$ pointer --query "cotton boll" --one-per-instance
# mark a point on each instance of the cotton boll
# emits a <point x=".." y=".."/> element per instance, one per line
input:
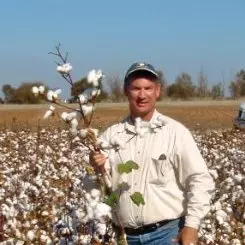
<point x="74" y="123"/>
<point x="88" y="197"/>
<point x="41" y="89"/>
<point x="64" y="116"/>
<point x="31" y="235"/>
<point x="87" y="109"/>
<point x="116" y="141"/>
<point x="95" y="193"/>
<point x="102" y="210"/>
<point x="83" y="133"/>
<point x="64" y="69"/>
<point x="56" y="93"/>
<point x="45" y="213"/>
<point x="94" y="77"/>
<point x="50" y="94"/>
<point x="43" y="238"/>
<point x="67" y="67"/>
<point x="35" y="90"/>
<point x="137" y="122"/>
<point x="101" y="228"/>
<point x="82" y="99"/>
<point x="85" y="239"/>
<point x="72" y="115"/>
<point x="161" y="119"/>
<point x="95" y="92"/>
<point x="48" y="114"/>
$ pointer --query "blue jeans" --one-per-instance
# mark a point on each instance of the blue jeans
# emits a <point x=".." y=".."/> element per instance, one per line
<point x="161" y="236"/>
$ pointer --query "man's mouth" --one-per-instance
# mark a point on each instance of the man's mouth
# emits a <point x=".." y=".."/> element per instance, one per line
<point x="141" y="104"/>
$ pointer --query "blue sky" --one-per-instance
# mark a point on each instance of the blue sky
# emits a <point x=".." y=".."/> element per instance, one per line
<point x="174" y="36"/>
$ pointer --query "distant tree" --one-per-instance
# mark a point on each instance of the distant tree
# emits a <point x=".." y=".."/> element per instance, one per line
<point x="202" y="87"/>
<point x="22" y="94"/>
<point x="217" y="91"/>
<point x="8" y="92"/>
<point x="237" y="86"/>
<point x="163" y="83"/>
<point x="1" y="101"/>
<point x="116" y="89"/>
<point x="183" y="87"/>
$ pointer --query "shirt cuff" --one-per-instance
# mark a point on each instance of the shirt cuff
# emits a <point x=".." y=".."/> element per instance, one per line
<point x="192" y="221"/>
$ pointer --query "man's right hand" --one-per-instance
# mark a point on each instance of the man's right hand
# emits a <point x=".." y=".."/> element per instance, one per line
<point x="97" y="160"/>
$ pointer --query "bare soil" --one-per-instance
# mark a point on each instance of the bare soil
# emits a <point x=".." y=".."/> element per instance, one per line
<point x="194" y="114"/>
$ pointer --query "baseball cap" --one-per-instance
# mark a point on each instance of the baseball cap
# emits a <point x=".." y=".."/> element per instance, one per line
<point x="140" y="66"/>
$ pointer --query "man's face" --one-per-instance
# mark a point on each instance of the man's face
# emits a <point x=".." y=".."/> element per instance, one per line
<point x="142" y="94"/>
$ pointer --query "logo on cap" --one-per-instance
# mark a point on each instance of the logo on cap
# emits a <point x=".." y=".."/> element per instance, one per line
<point x="140" y="64"/>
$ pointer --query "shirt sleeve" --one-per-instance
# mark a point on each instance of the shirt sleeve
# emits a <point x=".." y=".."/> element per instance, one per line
<point x="195" y="177"/>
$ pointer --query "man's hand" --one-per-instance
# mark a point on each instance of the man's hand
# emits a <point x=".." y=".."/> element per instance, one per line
<point x="187" y="236"/>
<point x="97" y="160"/>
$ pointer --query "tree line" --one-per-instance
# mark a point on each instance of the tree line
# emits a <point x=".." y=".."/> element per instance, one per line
<point x="182" y="88"/>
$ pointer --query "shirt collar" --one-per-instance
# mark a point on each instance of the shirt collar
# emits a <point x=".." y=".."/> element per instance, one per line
<point x="129" y="124"/>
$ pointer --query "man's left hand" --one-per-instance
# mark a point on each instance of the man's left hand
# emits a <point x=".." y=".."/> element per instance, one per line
<point x="187" y="236"/>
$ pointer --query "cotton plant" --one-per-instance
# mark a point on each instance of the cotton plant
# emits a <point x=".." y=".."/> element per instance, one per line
<point x="35" y="198"/>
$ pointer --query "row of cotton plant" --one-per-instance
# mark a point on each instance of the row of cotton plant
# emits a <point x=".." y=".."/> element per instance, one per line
<point x="50" y="195"/>
<point x="224" y="152"/>
<point x="47" y="195"/>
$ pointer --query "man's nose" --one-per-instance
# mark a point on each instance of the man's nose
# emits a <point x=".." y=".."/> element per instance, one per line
<point x="142" y="93"/>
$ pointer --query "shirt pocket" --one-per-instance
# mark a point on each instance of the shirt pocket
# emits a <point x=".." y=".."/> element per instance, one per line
<point x="159" y="170"/>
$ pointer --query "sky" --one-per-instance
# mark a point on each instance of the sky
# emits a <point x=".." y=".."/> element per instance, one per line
<point x="173" y="35"/>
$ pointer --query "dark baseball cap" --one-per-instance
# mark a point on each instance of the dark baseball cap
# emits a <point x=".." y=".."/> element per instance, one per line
<point x="140" y="66"/>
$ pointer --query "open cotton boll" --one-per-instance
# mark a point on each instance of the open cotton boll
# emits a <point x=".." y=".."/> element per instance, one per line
<point x="50" y="94"/>
<point x="47" y="114"/>
<point x="64" y="69"/>
<point x="56" y="93"/>
<point x="35" y="90"/>
<point x="31" y="235"/>
<point x="102" y="210"/>
<point x="101" y="228"/>
<point x="74" y="123"/>
<point x="83" y="133"/>
<point x="115" y="141"/>
<point x="72" y="115"/>
<point x="41" y="89"/>
<point x="64" y="116"/>
<point x="161" y="119"/>
<point x="87" y="109"/>
<point x="95" y="92"/>
<point x="83" y="99"/>
<point x="137" y="121"/>
<point x="95" y="193"/>
<point x="104" y="145"/>
<point x="94" y="77"/>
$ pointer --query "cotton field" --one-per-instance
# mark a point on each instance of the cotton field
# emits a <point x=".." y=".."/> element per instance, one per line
<point x="50" y="195"/>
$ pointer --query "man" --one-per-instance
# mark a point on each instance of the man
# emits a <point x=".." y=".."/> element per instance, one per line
<point x="172" y="175"/>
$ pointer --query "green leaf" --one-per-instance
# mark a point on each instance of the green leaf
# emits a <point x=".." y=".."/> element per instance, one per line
<point x="133" y="164"/>
<point x="137" y="198"/>
<point x="127" y="167"/>
<point x="112" y="199"/>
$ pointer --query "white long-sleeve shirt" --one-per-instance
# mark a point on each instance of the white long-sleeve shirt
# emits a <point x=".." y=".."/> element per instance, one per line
<point x="172" y="175"/>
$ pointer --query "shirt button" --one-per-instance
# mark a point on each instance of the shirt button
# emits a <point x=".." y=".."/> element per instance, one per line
<point x="138" y="152"/>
